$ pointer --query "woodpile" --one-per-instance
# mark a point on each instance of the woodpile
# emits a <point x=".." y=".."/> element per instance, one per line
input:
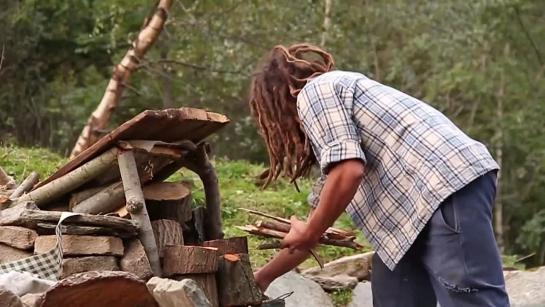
<point x="130" y="219"/>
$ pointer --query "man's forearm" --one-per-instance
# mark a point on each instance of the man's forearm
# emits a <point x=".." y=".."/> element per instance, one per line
<point x="282" y="263"/>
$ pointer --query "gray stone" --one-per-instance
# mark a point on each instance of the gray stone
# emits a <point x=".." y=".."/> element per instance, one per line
<point x="8" y="299"/>
<point x="358" y="266"/>
<point x="305" y="291"/>
<point x="19" y="237"/>
<point x="174" y="293"/>
<point x="334" y="283"/>
<point x="135" y="260"/>
<point x="81" y="245"/>
<point x="526" y="288"/>
<point x="8" y="253"/>
<point x="91" y="263"/>
<point x="32" y="299"/>
<point x="362" y="295"/>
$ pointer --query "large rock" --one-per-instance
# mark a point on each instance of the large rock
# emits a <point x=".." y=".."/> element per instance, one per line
<point x="305" y="291"/>
<point x="358" y="266"/>
<point x="81" y="245"/>
<point x="526" y="288"/>
<point x="174" y="293"/>
<point x="91" y="263"/>
<point x="8" y="299"/>
<point x="8" y="253"/>
<point x="135" y="260"/>
<point x="362" y="295"/>
<point x="18" y="237"/>
<point x="334" y="283"/>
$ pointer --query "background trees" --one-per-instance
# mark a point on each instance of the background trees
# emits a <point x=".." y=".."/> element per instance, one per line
<point x="480" y="62"/>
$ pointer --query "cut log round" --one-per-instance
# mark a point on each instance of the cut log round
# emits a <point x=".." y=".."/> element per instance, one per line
<point x="236" y="284"/>
<point x="167" y="233"/>
<point x="207" y="282"/>
<point x="235" y="245"/>
<point x="106" y="288"/>
<point x="168" y="200"/>
<point x="189" y="260"/>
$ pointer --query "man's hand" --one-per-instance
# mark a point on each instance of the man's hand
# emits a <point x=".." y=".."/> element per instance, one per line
<point x="300" y="237"/>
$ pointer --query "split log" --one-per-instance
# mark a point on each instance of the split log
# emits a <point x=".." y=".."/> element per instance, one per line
<point x="207" y="282"/>
<point x="167" y="233"/>
<point x="137" y="208"/>
<point x="25" y="186"/>
<point x="69" y="182"/>
<point x="236" y="283"/>
<point x="121" y="75"/>
<point x="236" y="245"/>
<point x="28" y="215"/>
<point x="49" y="229"/>
<point x="168" y="200"/>
<point x="182" y="259"/>
<point x="99" y="288"/>
<point x="198" y="162"/>
<point x="106" y="200"/>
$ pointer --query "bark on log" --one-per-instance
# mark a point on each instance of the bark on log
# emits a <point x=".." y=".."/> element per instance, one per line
<point x="95" y="288"/>
<point x="121" y="76"/>
<point x="69" y="182"/>
<point x="105" y="201"/>
<point x="25" y="186"/>
<point x="28" y="215"/>
<point x="236" y="283"/>
<point x="194" y="232"/>
<point x="181" y="259"/>
<point x="198" y="162"/>
<point x="168" y="200"/>
<point x="49" y="229"/>
<point x="167" y="233"/>
<point x="236" y="245"/>
<point x="207" y="282"/>
<point x="137" y="208"/>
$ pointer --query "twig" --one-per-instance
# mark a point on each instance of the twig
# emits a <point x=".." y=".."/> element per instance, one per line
<point x="2" y="56"/>
<point x="277" y="244"/>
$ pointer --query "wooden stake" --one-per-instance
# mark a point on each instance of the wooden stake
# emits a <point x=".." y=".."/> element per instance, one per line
<point x="69" y="182"/>
<point x="137" y="207"/>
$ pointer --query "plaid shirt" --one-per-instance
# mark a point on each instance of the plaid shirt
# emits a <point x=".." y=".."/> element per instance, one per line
<point x="414" y="156"/>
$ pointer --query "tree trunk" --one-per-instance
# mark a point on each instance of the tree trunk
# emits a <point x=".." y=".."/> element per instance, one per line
<point x="121" y="75"/>
<point x="327" y="22"/>
<point x="137" y="208"/>
<point x="168" y="200"/>
<point x="236" y="283"/>
<point x="167" y="233"/>
<point x="498" y="208"/>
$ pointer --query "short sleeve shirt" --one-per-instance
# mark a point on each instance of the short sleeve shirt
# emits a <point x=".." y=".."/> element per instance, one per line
<point x="414" y="156"/>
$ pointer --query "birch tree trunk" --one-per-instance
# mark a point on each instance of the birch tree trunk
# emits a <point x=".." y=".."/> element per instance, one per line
<point x="327" y="22"/>
<point x="498" y="209"/>
<point x="121" y="75"/>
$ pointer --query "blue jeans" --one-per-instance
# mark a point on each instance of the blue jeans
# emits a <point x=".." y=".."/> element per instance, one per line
<point x="454" y="260"/>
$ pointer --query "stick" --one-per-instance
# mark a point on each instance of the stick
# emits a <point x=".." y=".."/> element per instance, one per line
<point x="72" y="180"/>
<point x="277" y="245"/>
<point x="25" y="186"/>
<point x="137" y="208"/>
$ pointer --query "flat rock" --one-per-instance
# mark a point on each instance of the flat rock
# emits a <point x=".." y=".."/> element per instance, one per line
<point x="135" y="260"/>
<point x="334" y="283"/>
<point x="362" y="295"/>
<point x="526" y="288"/>
<point x="8" y="253"/>
<point x="8" y="299"/>
<point x="32" y="299"/>
<point x="305" y="291"/>
<point x="358" y="266"/>
<point x="19" y="237"/>
<point x="81" y="245"/>
<point x="174" y="293"/>
<point x="91" y="263"/>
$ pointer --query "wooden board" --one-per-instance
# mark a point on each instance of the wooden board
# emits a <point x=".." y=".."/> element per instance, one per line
<point x="168" y="125"/>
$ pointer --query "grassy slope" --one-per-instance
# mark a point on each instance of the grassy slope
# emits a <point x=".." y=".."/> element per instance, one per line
<point x="238" y="190"/>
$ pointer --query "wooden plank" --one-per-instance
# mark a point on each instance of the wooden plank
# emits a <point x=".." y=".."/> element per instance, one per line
<point x="235" y="245"/>
<point x="168" y="125"/>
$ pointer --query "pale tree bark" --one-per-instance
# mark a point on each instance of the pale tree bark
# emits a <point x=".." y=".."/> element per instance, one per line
<point x="121" y="76"/>
<point x="498" y="209"/>
<point x="327" y="22"/>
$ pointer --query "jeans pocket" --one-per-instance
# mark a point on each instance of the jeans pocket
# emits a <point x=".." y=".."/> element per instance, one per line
<point x="447" y="215"/>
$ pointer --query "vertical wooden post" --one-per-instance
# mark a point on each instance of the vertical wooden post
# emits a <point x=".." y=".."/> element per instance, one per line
<point x="137" y="207"/>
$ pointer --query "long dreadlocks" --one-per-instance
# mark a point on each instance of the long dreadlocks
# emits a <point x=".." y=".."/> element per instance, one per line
<point x="273" y="102"/>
